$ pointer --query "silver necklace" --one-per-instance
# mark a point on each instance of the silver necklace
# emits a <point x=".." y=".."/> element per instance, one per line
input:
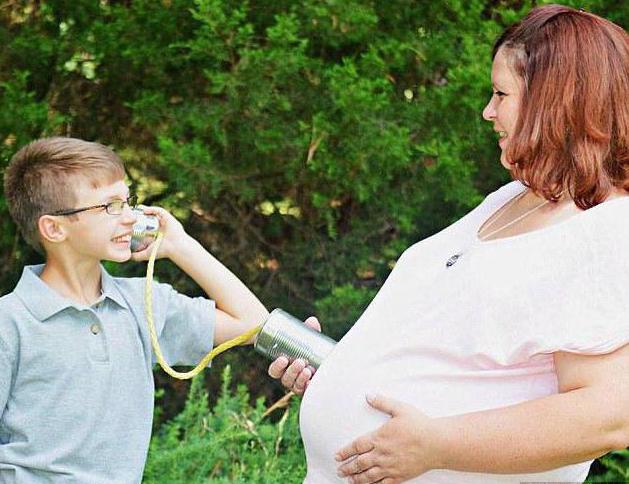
<point x="481" y="238"/>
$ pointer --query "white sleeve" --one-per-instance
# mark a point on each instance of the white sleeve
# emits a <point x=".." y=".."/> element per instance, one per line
<point x="592" y="316"/>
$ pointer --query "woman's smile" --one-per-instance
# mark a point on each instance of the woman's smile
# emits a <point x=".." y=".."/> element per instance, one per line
<point x="502" y="139"/>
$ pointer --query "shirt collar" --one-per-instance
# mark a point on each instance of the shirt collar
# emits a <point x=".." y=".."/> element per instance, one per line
<point x="111" y="290"/>
<point x="44" y="302"/>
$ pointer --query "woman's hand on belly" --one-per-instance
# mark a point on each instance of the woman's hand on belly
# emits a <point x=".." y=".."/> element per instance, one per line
<point x="397" y="451"/>
<point x="297" y="375"/>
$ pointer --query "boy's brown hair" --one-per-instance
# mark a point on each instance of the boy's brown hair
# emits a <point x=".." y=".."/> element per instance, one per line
<point x="39" y="179"/>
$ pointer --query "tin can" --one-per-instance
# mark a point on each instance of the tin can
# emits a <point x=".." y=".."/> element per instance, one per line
<point x="285" y="335"/>
<point x="145" y="230"/>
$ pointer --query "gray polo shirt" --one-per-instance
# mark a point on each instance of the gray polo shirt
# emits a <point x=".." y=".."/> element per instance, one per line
<point x="76" y="382"/>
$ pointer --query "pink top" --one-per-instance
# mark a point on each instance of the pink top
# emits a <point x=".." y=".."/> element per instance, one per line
<point x="477" y="335"/>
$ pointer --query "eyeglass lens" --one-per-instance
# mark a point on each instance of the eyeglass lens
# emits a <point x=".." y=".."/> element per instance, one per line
<point x="117" y="206"/>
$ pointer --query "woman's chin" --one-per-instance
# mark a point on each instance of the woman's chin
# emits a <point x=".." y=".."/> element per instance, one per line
<point x="503" y="160"/>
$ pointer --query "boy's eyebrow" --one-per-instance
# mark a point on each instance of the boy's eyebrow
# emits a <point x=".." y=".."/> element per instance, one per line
<point x="116" y="197"/>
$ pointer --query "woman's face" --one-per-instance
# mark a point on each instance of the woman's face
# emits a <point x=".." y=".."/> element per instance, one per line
<point x="504" y="106"/>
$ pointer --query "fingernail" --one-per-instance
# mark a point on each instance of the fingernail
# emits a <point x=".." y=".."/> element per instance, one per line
<point x="370" y="397"/>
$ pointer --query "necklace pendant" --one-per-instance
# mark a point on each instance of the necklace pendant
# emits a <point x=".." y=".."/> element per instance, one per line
<point x="452" y="260"/>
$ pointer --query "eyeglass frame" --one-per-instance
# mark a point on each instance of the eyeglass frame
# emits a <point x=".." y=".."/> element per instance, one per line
<point x="131" y="201"/>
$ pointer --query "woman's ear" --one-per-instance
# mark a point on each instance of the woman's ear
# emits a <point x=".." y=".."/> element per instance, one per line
<point x="51" y="229"/>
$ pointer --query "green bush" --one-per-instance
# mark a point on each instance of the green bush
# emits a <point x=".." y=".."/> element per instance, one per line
<point x="305" y="143"/>
<point x="614" y="468"/>
<point x="233" y="442"/>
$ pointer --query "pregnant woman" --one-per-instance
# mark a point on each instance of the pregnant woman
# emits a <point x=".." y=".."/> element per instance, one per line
<point x="497" y="350"/>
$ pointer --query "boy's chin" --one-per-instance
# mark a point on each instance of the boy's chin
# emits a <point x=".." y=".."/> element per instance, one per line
<point x="119" y="257"/>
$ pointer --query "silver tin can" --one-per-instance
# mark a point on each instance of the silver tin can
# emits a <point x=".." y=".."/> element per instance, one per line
<point x="145" y="230"/>
<point x="285" y="335"/>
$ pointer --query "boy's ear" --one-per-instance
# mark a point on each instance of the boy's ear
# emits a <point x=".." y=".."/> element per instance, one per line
<point x="51" y="229"/>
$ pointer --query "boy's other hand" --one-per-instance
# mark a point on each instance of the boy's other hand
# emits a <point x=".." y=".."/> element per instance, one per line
<point x="171" y="228"/>
<point x="296" y="376"/>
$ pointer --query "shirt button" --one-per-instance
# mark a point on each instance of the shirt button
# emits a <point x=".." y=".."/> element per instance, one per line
<point x="95" y="328"/>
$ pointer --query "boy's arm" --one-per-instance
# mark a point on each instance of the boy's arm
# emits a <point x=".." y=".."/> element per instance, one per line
<point x="238" y="309"/>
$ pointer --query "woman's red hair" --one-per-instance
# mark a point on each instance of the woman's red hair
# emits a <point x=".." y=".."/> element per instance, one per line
<point x="573" y="129"/>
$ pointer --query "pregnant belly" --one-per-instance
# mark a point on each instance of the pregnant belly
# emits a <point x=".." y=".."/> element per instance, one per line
<point x="334" y="411"/>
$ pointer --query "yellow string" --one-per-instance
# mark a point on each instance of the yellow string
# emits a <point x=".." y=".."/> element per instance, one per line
<point x="148" y="304"/>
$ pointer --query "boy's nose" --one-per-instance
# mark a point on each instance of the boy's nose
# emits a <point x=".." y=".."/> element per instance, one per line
<point x="129" y="215"/>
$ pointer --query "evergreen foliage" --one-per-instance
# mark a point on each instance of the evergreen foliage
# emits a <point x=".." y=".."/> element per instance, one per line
<point x="305" y="143"/>
<point x="233" y="443"/>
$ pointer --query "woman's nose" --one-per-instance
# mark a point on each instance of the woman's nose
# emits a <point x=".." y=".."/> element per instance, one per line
<point x="489" y="113"/>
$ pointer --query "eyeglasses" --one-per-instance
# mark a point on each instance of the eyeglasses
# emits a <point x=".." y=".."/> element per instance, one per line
<point x="115" y="207"/>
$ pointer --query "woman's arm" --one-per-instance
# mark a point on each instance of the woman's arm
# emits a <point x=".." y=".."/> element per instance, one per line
<point x="588" y="418"/>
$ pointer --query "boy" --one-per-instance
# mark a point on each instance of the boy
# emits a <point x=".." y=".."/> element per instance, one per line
<point x="76" y="382"/>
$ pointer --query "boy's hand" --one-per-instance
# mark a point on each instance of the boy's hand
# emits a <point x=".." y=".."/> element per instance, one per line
<point x="171" y="228"/>
<point x="295" y="377"/>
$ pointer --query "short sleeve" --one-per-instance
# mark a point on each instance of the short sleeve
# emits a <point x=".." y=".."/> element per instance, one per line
<point x="592" y="314"/>
<point x="9" y="348"/>
<point x="7" y="374"/>
<point x="6" y="377"/>
<point x="186" y="332"/>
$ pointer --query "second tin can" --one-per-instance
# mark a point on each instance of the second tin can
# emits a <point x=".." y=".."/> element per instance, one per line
<point x="285" y="335"/>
